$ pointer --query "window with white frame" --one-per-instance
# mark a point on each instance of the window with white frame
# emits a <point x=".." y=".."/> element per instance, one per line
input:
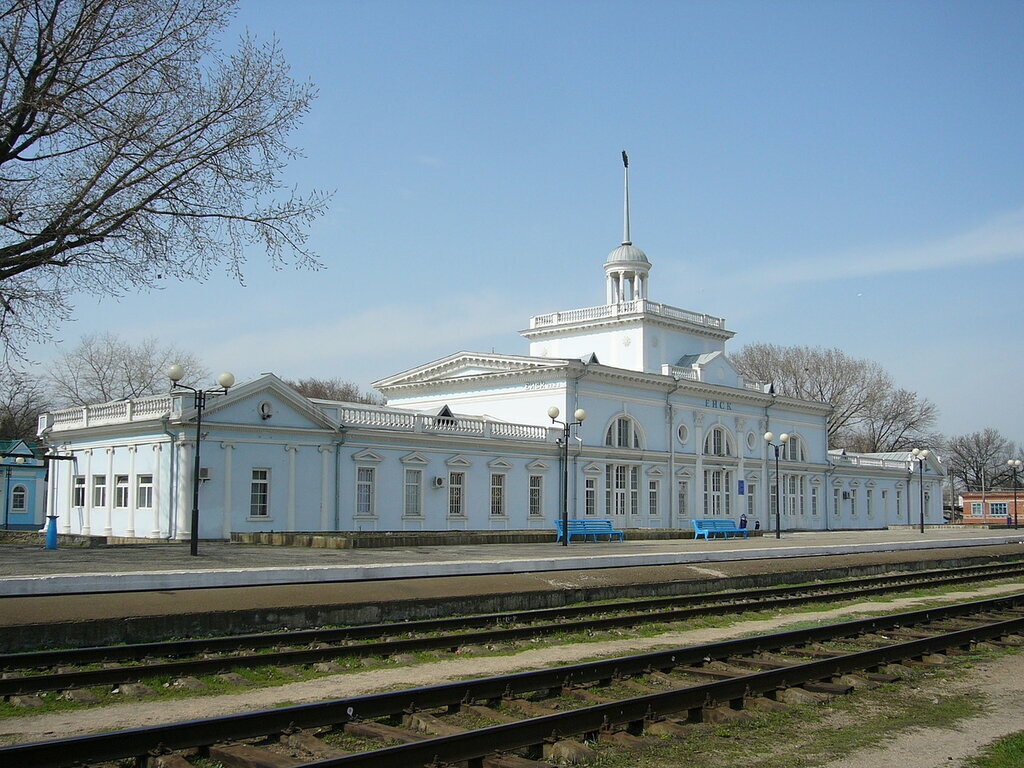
<point x="836" y="498"/>
<point x="19" y="498"/>
<point x="718" y="442"/>
<point x="773" y="499"/>
<point x="99" y="490"/>
<point x="622" y="433"/>
<point x="751" y="490"/>
<point x="366" y="486"/>
<point x="976" y="508"/>
<point x="885" y="504"/>
<point x="899" y="502"/>
<point x="1000" y="508"/>
<point x="652" y="497"/>
<point x="535" y="503"/>
<point x="794" y="449"/>
<point x="682" y="492"/>
<point x="590" y="496"/>
<point x="717" y="496"/>
<point x="412" y="504"/>
<point x="259" y="492"/>
<point x="634" y="490"/>
<point x="791" y="502"/>
<point x="144" y="491"/>
<point x="456" y="494"/>
<point x="869" y="500"/>
<point x="121" y="491"/>
<point x="814" y="501"/>
<point x="78" y="491"/>
<point x="853" y="502"/>
<point x="497" y="494"/>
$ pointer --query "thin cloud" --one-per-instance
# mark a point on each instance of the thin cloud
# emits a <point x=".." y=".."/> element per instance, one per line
<point x="999" y="239"/>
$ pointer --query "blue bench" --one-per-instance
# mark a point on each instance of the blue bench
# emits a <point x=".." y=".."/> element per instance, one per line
<point x="586" y="528"/>
<point x="725" y="527"/>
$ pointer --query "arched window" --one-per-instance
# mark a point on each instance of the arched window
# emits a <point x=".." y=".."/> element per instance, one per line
<point x="718" y="442"/>
<point x="19" y="498"/>
<point x="623" y="433"/>
<point x="794" y="450"/>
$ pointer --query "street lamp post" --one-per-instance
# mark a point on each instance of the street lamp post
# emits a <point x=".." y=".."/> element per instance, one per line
<point x="920" y="454"/>
<point x="783" y="439"/>
<point x="1014" y="465"/>
<point x="226" y="380"/>
<point x="579" y="416"/>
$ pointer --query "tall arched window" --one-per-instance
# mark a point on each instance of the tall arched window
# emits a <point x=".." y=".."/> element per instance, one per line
<point x="794" y="450"/>
<point x="19" y="498"/>
<point x="623" y="433"/>
<point x="718" y="442"/>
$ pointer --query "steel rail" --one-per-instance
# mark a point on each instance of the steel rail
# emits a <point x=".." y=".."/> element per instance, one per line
<point x="120" y="744"/>
<point x="84" y="678"/>
<point x="173" y="648"/>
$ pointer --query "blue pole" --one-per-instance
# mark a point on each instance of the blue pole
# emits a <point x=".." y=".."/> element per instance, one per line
<point x="51" y="532"/>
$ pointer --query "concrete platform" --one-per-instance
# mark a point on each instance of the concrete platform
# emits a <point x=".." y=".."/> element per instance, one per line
<point x="32" y="571"/>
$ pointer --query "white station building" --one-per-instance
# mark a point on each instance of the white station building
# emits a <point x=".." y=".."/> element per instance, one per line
<point x="671" y="433"/>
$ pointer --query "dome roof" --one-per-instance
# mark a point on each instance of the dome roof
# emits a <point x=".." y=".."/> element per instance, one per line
<point x="629" y="253"/>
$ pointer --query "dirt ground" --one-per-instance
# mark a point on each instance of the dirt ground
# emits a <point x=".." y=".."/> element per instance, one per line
<point x="1000" y="681"/>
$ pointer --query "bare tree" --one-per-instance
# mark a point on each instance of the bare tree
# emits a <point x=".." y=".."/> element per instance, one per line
<point x="334" y="389"/>
<point x="868" y="413"/>
<point x="22" y="400"/>
<point x="132" y="149"/>
<point x="106" y="367"/>
<point x="978" y="461"/>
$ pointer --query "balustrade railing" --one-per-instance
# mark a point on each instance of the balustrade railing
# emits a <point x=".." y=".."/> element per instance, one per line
<point x="626" y="308"/>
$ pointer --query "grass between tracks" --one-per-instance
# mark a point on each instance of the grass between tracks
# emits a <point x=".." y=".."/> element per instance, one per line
<point x="1008" y="752"/>
<point x="160" y="688"/>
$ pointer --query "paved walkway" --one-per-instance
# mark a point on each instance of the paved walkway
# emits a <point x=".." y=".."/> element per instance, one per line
<point x="32" y="570"/>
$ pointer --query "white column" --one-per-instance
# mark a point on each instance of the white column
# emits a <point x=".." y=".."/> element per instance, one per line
<point x="157" y="498"/>
<point x="87" y="518"/>
<point x="132" y="483"/>
<point x="325" y="486"/>
<point x="108" y="528"/>
<point x="292" y="449"/>
<point x="183" y="509"/>
<point x="229" y="450"/>
<point x="698" y="475"/>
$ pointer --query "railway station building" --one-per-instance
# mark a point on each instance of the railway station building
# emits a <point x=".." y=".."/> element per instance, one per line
<point x="672" y="432"/>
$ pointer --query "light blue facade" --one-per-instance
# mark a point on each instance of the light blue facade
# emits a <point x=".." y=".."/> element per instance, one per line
<point x="23" y="489"/>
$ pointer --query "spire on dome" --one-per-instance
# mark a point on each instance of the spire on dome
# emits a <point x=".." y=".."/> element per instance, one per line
<point x="625" y="204"/>
<point x="627" y="266"/>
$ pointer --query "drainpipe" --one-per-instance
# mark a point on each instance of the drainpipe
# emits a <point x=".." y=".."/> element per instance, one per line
<point x="673" y="500"/>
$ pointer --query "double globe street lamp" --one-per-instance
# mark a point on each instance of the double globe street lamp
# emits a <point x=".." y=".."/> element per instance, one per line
<point x="226" y="380"/>
<point x="579" y="416"/>
<point x="920" y="455"/>
<point x="783" y="439"/>
<point x="1014" y="465"/>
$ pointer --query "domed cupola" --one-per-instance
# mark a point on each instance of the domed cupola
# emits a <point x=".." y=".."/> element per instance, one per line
<point x="627" y="266"/>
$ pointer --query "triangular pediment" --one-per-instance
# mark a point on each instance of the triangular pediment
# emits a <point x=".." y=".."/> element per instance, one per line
<point x="538" y="466"/>
<point x="414" y="458"/>
<point x="266" y="401"/>
<point x="463" y="365"/>
<point x="458" y="461"/>
<point x="367" y="455"/>
<point x="498" y="463"/>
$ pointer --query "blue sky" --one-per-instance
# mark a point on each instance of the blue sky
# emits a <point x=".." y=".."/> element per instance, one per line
<point x="838" y="174"/>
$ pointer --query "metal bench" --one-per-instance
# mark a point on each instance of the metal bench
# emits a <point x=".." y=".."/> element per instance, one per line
<point x="587" y="528"/>
<point x="725" y="527"/>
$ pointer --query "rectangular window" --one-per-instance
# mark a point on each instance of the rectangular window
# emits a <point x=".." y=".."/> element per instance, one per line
<point x="259" y="493"/>
<point x="456" y="494"/>
<point x="836" y="496"/>
<point x="682" y="491"/>
<point x="899" y="503"/>
<point x="590" y="496"/>
<point x="144" y="492"/>
<point x="78" y="491"/>
<point x="853" y="502"/>
<point x="365" y="482"/>
<point x="620" y="490"/>
<point x="99" y="490"/>
<point x="976" y="508"/>
<point x="608" y="485"/>
<point x="814" y="501"/>
<point x="652" y="497"/>
<point x="497" y="494"/>
<point x="869" y="501"/>
<point x="773" y="499"/>
<point x="536" y="500"/>
<point x="121" y="491"/>
<point x="634" y="490"/>
<point x="751" y="500"/>
<point x="1000" y="508"/>
<point x="885" y="504"/>
<point x="413" y="504"/>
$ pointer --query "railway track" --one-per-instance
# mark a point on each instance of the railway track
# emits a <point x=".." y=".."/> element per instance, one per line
<point x="532" y="716"/>
<point x="32" y="673"/>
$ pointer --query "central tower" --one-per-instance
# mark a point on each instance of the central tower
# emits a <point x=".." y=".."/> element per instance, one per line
<point x="626" y="267"/>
